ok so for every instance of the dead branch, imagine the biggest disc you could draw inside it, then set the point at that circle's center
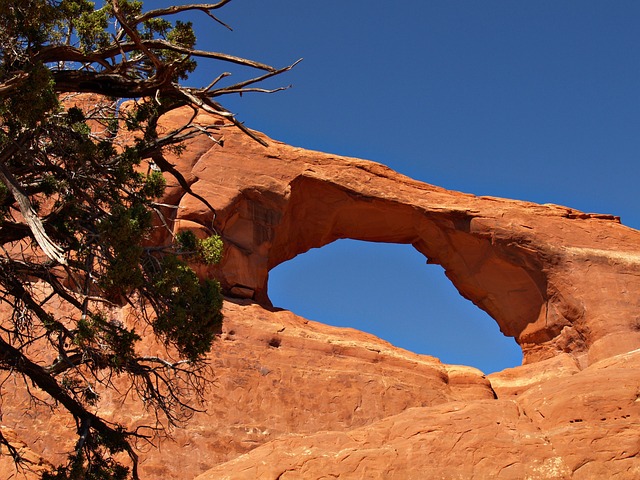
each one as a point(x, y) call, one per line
point(161, 12)
point(50, 249)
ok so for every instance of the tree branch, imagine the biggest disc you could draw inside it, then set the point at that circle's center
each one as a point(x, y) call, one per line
point(133, 35)
point(241, 85)
point(108, 84)
point(10, 86)
point(13, 358)
point(160, 12)
point(51, 250)
point(163, 44)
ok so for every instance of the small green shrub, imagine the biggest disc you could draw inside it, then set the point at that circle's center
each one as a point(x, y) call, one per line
point(210, 249)
point(207, 250)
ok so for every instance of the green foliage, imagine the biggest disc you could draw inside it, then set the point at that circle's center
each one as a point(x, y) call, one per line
point(207, 250)
point(129, 8)
point(72, 9)
point(182, 34)
point(187, 241)
point(155, 185)
point(91, 28)
point(210, 249)
point(122, 234)
point(100, 468)
point(155, 26)
point(191, 316)
point(78, 215)
point(25, 24)
point(115, 342)
point(38, 94)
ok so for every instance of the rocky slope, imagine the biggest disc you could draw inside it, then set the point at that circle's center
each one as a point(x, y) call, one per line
point(292, 398)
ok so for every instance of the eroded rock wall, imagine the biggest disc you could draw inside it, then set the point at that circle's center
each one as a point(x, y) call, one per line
point(556, 279)
point(578, 426)
point(291, 398)
point(273, 374)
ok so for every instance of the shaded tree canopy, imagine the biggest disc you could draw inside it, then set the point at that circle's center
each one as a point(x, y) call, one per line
point(77, 207)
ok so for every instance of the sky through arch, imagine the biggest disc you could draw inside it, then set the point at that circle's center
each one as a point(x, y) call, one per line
point(388, 290)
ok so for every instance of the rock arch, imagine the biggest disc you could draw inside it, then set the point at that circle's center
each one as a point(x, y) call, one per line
point(556, 279)
point(509, 288)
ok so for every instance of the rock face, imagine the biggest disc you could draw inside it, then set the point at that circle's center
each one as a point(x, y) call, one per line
point(291, 398)
point(555, 279)
point(583, 426)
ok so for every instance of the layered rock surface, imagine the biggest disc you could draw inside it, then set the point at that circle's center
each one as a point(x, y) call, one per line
point(274, 374)
point(582, 426)
point(291, 398)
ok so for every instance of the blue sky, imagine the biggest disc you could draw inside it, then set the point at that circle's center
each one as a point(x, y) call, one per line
point(533, 100)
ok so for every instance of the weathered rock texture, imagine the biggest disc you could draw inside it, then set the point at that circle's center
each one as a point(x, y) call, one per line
point(293, 398)
point(582, 426)
point(275, 374)
point(555, 279)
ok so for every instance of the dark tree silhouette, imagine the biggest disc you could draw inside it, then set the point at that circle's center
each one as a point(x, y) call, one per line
point(77, 205)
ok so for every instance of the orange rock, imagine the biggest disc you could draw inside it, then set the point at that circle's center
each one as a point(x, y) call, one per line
point(291, 398)
point(580, 426)
point(558, 280)
point(274, 374)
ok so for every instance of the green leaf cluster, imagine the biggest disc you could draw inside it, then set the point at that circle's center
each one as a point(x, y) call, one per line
point(121, 235)
point(25, 25)
point(116, 344)
point(29, 106)
point(191, 315)
point(207, 250)
point(154, 184)
point(100, 467)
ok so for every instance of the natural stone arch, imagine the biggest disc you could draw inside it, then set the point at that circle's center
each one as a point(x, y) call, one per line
point(498, 261)
point(318, 213)
point(509, 287)
point(556, 279)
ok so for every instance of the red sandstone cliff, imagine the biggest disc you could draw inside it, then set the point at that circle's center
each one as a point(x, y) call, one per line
point(296, 399)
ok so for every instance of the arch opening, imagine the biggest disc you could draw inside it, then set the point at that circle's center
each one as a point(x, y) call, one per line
point(388, 290)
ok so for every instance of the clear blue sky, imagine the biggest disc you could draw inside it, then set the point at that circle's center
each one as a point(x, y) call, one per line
point(533, 100)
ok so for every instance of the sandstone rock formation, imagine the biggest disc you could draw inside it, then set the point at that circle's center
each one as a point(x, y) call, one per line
point(580, 426)
point(555, 279)
point(293, 398)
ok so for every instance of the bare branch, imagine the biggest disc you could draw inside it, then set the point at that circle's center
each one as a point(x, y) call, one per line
point(50, 249)
point(163, 44)
point(133, 35)
point(256, 90)
point(165, 166)
point(109, 84)
point(68, 53)
point(11, 449)
point(13, 358)
point(13, 83)
point(216, 80)
point(164, 362)
point(240, 85)
point(161, 12)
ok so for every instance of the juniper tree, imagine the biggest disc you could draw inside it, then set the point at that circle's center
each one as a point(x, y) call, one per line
point(77, 206)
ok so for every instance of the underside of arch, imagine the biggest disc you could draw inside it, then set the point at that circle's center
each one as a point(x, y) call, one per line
point(506, 286)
